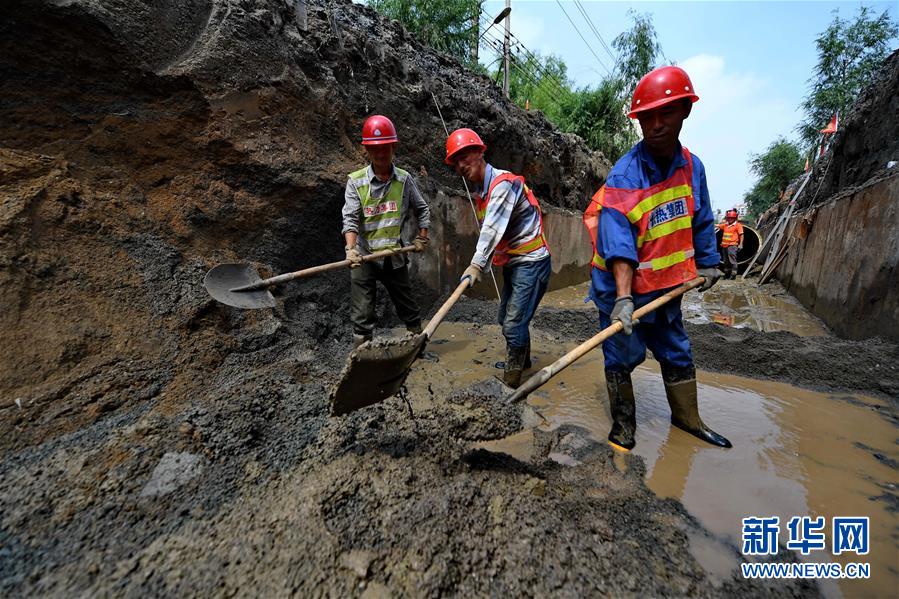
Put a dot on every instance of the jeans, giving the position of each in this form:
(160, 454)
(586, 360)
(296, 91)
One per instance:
(730, 258)
(363, 295)
(523, 287)
(665, 337)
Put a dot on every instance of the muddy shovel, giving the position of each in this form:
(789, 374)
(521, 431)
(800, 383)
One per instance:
(547, 372)
(240, 286)
(377, 369)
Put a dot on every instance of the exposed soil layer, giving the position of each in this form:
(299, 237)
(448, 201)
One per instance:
(156, 442)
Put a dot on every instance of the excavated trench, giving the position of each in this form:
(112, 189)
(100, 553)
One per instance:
(155, 442)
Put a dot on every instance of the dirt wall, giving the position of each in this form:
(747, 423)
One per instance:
(843, 264)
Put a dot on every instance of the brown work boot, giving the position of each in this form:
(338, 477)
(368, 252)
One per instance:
(360, 339)
(514, 366)
(623, 409)
(680, 388)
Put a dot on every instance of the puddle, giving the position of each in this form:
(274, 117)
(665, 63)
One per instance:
(730, 303)
(795, 452)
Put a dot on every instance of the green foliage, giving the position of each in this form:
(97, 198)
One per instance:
(775, 168)
(638, 49)
(597, 114)
(849, 54)
(541, 81)
(442, 24)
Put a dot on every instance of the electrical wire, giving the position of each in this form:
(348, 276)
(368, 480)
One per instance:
(589, 21)
(578, 31)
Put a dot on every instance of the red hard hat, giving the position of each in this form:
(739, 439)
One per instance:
(460, 139)
(661, 86)
(378, 130)
(730, 214)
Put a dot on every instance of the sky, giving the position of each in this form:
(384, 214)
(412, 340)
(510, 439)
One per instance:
(750, 63)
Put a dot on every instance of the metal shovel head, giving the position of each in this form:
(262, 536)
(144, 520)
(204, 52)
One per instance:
(223, 278)
(375, 371)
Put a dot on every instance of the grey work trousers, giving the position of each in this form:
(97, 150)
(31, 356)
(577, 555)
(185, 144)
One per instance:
(364, 294)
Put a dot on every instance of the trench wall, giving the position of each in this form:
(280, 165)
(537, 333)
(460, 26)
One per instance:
(844, 261)
(454, 234)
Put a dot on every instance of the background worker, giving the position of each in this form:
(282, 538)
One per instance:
(731, 242)
(512, 230)
(653, 229)
(377, 202)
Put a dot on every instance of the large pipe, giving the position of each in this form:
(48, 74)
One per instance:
(752, 242)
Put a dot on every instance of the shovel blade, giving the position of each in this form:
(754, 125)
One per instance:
(223, 278)
(375, 371)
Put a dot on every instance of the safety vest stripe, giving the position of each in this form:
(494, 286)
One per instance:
(381, 244)
(684, 222)
(599, 262)
(657, 199)
(528, 247)
(373, 225)
(666, 261)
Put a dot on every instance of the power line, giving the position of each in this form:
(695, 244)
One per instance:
(537, 74)
(602, 42)
(534, 61)
(589, 47)
(528, 75)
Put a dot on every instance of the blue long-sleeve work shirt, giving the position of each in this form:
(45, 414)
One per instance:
(617, 237)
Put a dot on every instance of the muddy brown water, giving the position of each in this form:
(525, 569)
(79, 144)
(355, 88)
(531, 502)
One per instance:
(731, 303)
(796, 452)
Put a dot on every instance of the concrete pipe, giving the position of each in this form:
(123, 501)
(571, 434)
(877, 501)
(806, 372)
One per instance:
(752, 242)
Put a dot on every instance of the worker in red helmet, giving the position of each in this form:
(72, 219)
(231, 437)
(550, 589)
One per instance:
(511, 229)
(653, 229)
(378, 201)
(731, 242)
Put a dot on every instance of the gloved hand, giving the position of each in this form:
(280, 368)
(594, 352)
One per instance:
(711, 277)
(420, 243)
(355, 258)
(473, 272)
(623, 312)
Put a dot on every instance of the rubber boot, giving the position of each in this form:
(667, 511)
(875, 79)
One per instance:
(514, 365)
(680, 387)
(527, 357)
(360, 339)
(623, 409)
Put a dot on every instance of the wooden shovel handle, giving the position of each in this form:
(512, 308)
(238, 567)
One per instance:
(308, 272)
(547, 372)
(441, 313)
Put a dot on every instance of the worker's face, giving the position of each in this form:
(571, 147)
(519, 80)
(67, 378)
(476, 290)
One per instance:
(381, 156)
(730, 220)
(470, 164)
(661, 127)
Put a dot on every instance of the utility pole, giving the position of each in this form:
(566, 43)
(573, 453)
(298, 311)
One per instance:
(475, 37)
(506, 53)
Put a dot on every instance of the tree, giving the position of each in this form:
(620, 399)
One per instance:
(775, 168)
(849, 55)
(638, 49)
(541, 81)
(442, 24)
(597, 114)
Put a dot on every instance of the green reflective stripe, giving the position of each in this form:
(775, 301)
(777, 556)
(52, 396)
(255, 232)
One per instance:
(666, 195)
(599, 262)
(666, 261)
(684, 222)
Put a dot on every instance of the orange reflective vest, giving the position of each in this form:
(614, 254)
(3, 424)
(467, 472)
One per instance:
(730, 234)
(663, 217)
(503, 251)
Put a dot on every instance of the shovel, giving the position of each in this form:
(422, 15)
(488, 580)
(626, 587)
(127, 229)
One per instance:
(547, 372)
(377, 369)
(239, 285)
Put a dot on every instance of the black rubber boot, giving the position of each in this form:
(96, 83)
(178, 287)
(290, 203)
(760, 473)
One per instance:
(623, 409)
(514, 365)
(680, 388)
(527, 357)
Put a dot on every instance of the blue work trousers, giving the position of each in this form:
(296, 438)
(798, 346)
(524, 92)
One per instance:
(664, 335)
(523, 287)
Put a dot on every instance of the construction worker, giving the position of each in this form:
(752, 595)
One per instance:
(731, 242)
(512, 230)
(377, 202)
(653, 229)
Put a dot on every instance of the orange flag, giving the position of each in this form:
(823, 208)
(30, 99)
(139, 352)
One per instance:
(831, 126)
